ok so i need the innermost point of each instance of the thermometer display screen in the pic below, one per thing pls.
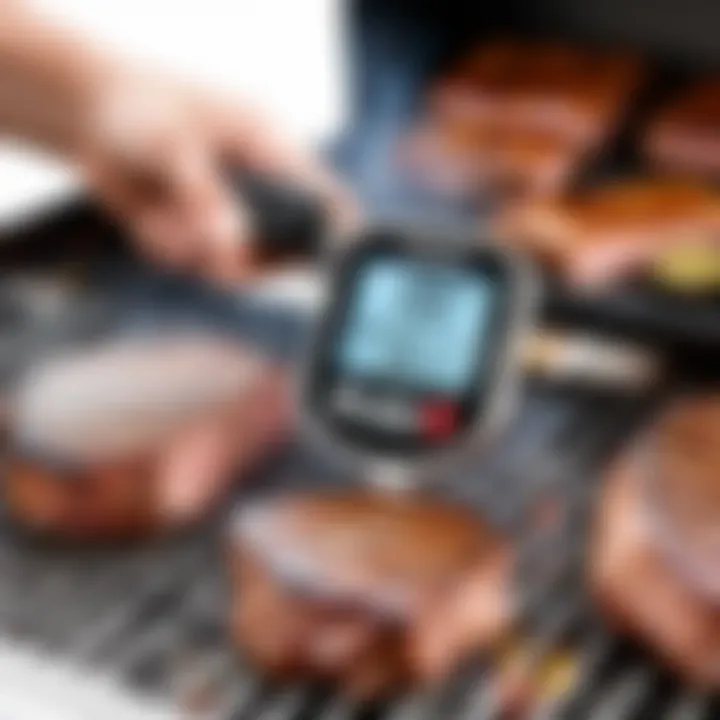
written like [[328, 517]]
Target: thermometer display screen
[[409, 353], [416, 324]]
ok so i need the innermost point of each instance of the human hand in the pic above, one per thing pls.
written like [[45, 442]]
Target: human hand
[[154, 154]]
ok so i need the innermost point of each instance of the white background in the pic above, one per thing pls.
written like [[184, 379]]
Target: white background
[[286, 54]]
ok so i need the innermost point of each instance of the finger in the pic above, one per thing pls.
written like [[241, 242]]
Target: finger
[[193, 220], [197, 224], [158, 235], [252, 141], [228, 251], [149, 143], [130, 181], [133, 142], [218, 223], [165, 241]]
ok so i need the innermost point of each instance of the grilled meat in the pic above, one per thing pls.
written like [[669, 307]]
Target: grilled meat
[[614, 230], [656, 538], [539, 86], [138, 436], [374, 593], [684, 136], [520, 119]]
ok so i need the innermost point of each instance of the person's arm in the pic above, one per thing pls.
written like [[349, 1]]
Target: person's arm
[[152, 149], [49, 80]]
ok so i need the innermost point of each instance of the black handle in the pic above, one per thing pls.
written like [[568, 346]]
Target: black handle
[[686, 330], [289, 220]]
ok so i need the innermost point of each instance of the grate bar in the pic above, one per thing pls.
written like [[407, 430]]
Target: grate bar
[[484, 703], [690, 706], [623, 699], [235, 702], [99, 637], [286, 705], [599, 647], [168, 632], [341, 708], [419, 706]]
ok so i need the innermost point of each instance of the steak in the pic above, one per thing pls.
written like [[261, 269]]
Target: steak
[[371, 592], [614, 231], [138, 435], [655, 537], [684, 136], [521, 119]]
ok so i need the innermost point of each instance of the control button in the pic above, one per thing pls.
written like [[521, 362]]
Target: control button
[[439, 419]]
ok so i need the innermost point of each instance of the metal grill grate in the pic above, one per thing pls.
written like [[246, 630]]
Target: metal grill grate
[[152, 618]]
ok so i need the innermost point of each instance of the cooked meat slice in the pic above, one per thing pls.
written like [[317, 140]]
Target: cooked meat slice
[[531, 164], [505, 163], [522, 118], [656, 537], [577, 94], [477, 86], [538, 86], [138, 435], [615, 229], [685, 134], [355, 587]]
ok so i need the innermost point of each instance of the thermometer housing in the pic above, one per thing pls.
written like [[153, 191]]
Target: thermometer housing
[[416, 355]]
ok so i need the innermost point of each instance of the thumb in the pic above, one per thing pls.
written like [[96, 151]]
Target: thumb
[[218, 223]]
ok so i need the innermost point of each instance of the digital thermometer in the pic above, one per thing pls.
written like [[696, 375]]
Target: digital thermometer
[[425, 338], [416, 360]]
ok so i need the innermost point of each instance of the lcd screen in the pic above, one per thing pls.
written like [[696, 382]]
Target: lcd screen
[[417, 324]]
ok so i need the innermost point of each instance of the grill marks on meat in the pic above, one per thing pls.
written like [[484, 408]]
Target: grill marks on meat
[[461, 157], [654, 537], [520, 118], [684, 136], [536, 86], [374, 593], [139, 436], [616, 229]]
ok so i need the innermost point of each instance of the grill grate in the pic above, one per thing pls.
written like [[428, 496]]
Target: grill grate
[[154, 617]]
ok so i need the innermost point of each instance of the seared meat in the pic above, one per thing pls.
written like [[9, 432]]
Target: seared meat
[[656, 537], [138, 436], [521, 118], [685, 134], [539, 86], [460, 159], [372, 592], [616, 229]]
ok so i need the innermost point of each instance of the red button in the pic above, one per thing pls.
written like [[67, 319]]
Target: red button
[[439, 419]]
